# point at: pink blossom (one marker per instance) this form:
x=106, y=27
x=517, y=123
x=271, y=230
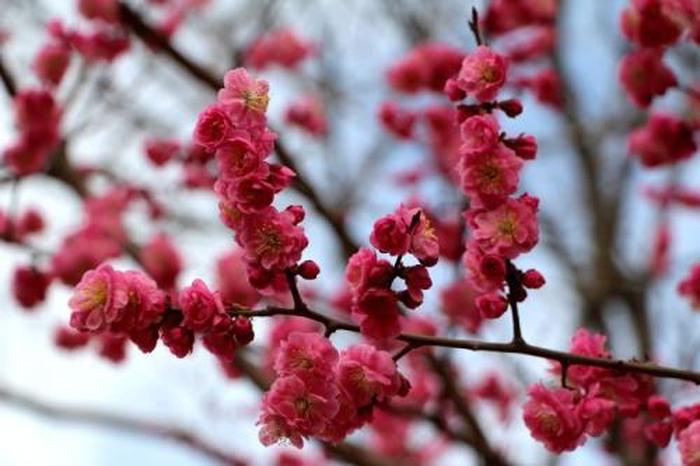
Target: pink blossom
x=99, y=299
x=483, y=73
x=237, y=157
x=146, y=303
x=365, y=373
x=51, y=62
x=24, y=157
x=29, y=286
x=81, y=251
x=486, y=272
x=664, y=139
x=428, y=66
x=68, y=339
x=550, y=416
x=308, y=113
x=647, y=23
x=31, y=221
x=398, y=121
x=690, y=286
x=161, y=151
x=377, y=312
x=112, y=346
x=390, y=235
x=199, y=306
x=244, y=98
x=100, y=43
x=597, y=413
x=458, y=304
x=508, y=230
x=488, y=178
x=283, y=47
x=479, y=133
x=689, y=444
x=304, y=407
x=250, y=194
x=308, y=355
x=220, y=338
x=359, y=267
x=232, y=281
x=424, y=243
x=161, y=260
x=213, y=127
x=270, y=238
x=644, y=76
x=546, y=85
x=105, y=10
x=491, y=305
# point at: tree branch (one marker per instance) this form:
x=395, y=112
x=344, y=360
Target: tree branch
x=571, y=359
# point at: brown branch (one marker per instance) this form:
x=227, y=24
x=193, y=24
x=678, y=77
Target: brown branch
x=452, y=392
x=119, y=422
x=571, y=359
x=7, y=79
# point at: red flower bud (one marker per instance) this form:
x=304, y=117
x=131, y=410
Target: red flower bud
x=533, y=279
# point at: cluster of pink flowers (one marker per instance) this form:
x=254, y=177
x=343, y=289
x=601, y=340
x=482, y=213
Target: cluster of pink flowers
x=664, y=140
x=130, y=305
x=104, y=39
x=561, y=418
x=426, y=67
x=195, y=161
x=308, y=113
x=525, y=31
x=235, y=128
x=502, y=226
x=644, y=75
x=281, y=47
x=51, y=62
x=322, y=394
x=375, y=306
x=504, y=16
x=654, y=26
x=37, y=118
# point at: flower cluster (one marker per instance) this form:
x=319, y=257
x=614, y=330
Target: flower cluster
x=664, y=140
x=533, y=24
x=375, y=306
x=654, y=26
x=235, y=128
x=308, y=113
x=502, y=226
x=426, y=67
x=322, y=394
x=561, y=418
x=281, y=47
x=130, y=305
x=37, y=117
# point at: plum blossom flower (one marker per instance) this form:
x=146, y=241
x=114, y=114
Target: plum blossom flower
x=483, y=73
x=199, y=306
x=99, y=299
x=664, y=139
x=308, y=355
x=689, y=444
x=244, y=97
x=508, y=230
x=365, y=372
x=550, y=416
x=644, y=76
